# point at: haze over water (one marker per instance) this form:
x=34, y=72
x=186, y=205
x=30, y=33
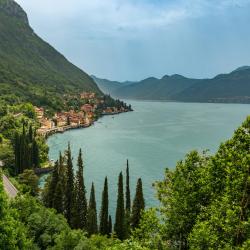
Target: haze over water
x=155, y=136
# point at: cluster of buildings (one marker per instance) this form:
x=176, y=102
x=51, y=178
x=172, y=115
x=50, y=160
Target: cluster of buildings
x=88, y=95
x=65, y=120
x=73, y=119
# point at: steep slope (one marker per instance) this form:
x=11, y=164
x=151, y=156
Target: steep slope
x=107, y=86
x=30, y=67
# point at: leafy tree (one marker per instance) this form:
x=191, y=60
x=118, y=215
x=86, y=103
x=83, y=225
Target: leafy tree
x=92, y=215
x=71, y=239
x=183, y=196
x=224, y=223
x=150, y=231
x=104, y=214
x=120, y=227
x=43, y=224
x=13, y=234
x=30, y=179
x=80, y=202
x=138, y=205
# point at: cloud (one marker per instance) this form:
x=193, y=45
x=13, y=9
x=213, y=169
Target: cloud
x=139, y=38
x=114, y=17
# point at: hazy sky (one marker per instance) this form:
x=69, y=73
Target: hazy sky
x=134, y=39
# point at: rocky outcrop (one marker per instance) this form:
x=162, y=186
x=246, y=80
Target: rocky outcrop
x=11, y=8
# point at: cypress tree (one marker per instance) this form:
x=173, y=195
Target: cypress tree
x=104, y=214
x=35, y=154
x=59, y=195
x=30, y=134
x=119, y=226
x=92, y=215
x=110, y=225
x=80, y=202
x=138, y=205
x=17, y=154
x=49, y=199
x=69, y=192
x=22, y=153
x=128, y=201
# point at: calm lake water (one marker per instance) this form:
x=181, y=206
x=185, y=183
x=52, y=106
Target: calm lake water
x=155, y=136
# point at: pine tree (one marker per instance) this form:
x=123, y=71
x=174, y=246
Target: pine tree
x=119, y=226
x=69, y=192
x=92, y=215
x=128, y=200
x=110, y=225
x=80, y=201
x=104, y=214
x=138, y=205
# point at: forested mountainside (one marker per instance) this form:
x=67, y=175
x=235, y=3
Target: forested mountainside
x=108, y=86
x=31, y=69
x=227, y=88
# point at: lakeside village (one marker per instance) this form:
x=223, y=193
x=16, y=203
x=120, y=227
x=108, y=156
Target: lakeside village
x=89, y=109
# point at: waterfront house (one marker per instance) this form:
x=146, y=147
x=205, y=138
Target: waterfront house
x=87, y=108
x=39, y=113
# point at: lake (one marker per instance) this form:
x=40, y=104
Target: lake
x=155, y=136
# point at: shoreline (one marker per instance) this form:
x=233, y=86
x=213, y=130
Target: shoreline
x=61, y=130
x=46, y=170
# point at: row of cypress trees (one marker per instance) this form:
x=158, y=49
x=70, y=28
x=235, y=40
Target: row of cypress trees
x=66, y=192
x=26, y=150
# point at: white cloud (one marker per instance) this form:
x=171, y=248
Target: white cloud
x=141, y=37
x=114, y=17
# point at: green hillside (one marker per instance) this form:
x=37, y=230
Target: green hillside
x=30, y=69
x=227, y=88
x=156, y=89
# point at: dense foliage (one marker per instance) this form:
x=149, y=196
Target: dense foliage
x=205, y=201
x=20, y=147
x=204, y=205
x=65, y=192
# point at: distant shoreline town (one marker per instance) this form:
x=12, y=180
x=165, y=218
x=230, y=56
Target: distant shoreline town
x=84, y=115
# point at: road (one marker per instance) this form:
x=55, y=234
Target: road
x=9, y=188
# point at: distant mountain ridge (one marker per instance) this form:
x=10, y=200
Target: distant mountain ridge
x=226, y=88
x=31, y=69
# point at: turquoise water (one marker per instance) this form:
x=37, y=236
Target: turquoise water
x=156, y=135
